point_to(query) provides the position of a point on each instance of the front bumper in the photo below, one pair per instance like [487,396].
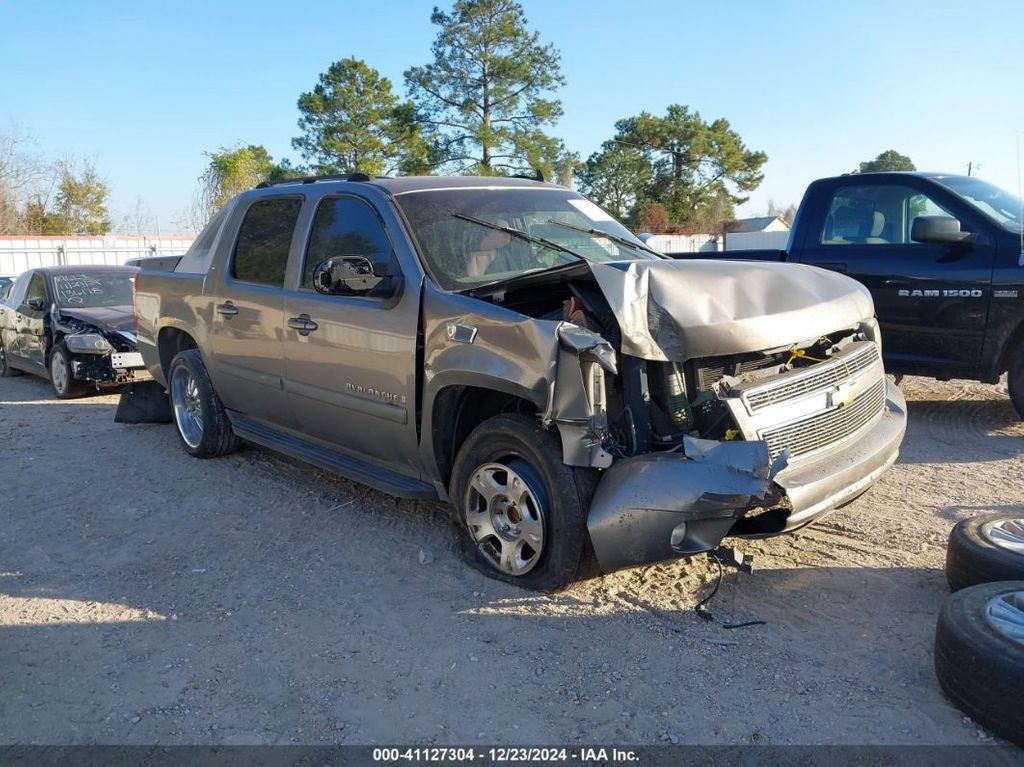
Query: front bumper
[111,369]
[663,505]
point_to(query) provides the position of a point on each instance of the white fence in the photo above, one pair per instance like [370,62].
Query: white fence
[756,240]
[19,254]
[683,243]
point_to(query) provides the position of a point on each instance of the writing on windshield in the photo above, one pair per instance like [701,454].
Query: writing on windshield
[92,290]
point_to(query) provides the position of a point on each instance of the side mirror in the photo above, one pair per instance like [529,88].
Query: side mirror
[937,229]
[37,303]
[346,274]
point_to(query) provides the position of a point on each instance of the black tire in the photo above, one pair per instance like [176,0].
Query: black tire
[214,436]
[61,377]
[534,455]
[6,371]
[980,669]
[974,554]
[1015,382]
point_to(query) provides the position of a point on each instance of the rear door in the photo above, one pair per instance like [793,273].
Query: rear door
[351,357]
[247,327]
[931,299]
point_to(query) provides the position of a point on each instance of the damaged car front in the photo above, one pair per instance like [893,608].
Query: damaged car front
[711,398]
[92,324]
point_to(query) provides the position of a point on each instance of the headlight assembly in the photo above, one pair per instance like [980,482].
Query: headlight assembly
[87,343]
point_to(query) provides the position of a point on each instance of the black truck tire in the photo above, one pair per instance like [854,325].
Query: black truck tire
[61,376]
[985,549]
[6,371]
[978,660]
[1015,381]
[199,417]
[529,507]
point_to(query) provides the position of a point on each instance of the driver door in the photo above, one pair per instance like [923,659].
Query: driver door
[31,323]
[350,359]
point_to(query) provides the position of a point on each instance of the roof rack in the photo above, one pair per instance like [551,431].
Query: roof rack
[314,179]
[537,175]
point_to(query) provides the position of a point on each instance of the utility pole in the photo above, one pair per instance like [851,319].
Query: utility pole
[971,166]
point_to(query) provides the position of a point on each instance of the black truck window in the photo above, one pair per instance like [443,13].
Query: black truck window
[346,226]
[261,252]
[875,215]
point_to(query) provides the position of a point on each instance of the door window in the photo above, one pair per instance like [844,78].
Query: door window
[261,252]
[876,215]
[36,288]
[346,226]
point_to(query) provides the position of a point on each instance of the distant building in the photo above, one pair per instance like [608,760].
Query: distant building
[759,233]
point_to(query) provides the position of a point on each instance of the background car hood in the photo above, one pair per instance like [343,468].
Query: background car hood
[678,310]
[108,318]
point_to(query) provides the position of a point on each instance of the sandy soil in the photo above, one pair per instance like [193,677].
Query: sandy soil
[148,597]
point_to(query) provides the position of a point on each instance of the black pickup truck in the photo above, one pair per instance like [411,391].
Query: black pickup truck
[943,257]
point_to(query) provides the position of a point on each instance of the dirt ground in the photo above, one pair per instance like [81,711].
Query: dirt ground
[148,597]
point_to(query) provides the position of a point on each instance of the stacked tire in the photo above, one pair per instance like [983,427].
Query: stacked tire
[979,638]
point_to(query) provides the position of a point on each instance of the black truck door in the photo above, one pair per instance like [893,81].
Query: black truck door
[931,298]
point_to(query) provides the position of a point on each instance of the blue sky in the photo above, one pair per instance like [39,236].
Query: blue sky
[144,88]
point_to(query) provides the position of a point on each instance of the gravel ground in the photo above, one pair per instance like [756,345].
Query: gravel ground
[148,597]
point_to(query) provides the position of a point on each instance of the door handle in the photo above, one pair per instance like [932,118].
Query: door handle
[303,324]
[228,309]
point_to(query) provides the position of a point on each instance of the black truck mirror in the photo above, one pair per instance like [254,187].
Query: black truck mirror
[937,229]
[37,303]
[346,274]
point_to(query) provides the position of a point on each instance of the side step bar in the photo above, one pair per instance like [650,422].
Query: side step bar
[331,460]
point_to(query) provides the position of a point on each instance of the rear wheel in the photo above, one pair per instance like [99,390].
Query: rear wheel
[199,416]
[6,371]
[1015,381]
[518,512]
[61,378]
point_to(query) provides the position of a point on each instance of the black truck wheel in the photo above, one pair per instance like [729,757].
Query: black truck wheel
[61,376]
[1015,382]
[979,655]
[985,549]
[6,371]
[518,513]
[199,416]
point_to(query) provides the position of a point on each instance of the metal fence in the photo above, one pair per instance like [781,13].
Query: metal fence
[19,254]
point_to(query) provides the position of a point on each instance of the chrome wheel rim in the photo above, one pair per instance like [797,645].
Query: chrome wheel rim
[505,516]
[1005,613]
[1005,533]
[59,373]
[187,405]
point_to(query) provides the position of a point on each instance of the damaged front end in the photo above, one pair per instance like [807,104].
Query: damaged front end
[103,349]
[718,399]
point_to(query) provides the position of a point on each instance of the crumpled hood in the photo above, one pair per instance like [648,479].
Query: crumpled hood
[678,310]
[108,318]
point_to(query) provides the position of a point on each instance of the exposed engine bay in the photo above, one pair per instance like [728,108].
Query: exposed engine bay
[102,348]
[653,391]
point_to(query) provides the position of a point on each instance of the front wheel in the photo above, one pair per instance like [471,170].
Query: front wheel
[61,378]
[518,512]
[1015,382]
[202,424]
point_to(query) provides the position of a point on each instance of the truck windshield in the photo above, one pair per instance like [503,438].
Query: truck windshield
[93,289]
[988,198]
[471,237]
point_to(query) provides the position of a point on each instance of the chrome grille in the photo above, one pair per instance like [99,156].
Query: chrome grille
[824,429]
[818,378]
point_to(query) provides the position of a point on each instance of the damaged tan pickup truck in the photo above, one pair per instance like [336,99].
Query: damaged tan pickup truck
[582,402]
